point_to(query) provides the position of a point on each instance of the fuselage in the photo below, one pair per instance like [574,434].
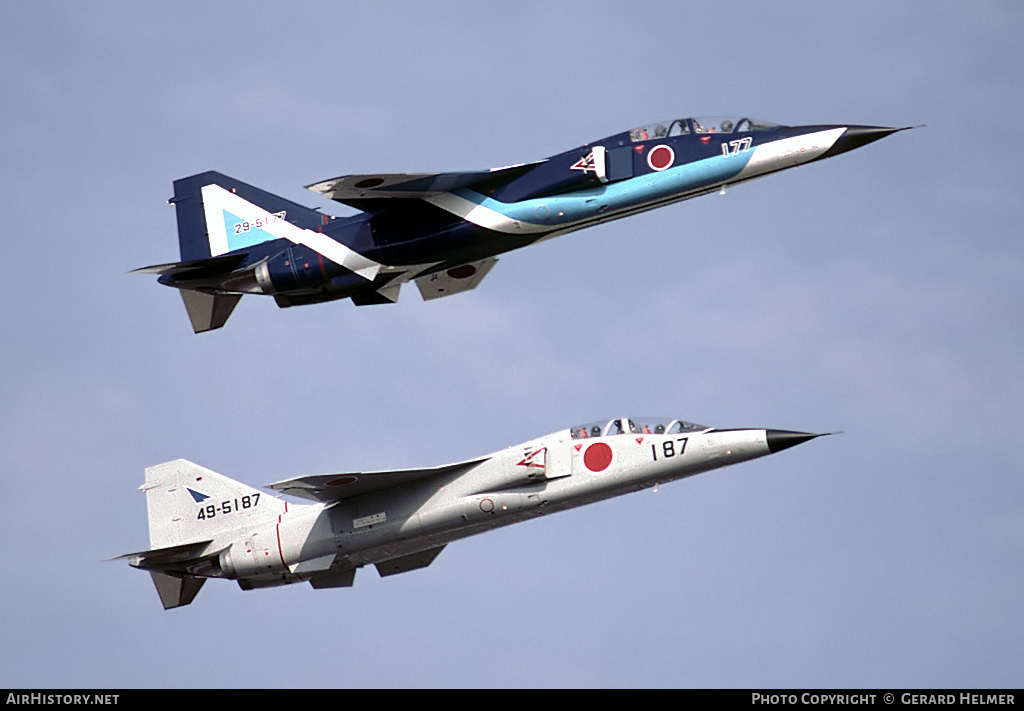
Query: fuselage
[435,231]
[553,473]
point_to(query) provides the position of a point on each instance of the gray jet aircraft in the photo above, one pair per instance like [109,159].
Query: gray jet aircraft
[204,525]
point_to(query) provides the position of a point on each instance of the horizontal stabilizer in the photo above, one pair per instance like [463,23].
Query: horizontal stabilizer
[195,268]
[454,280]
[335,487]
[171,558]
[208,311]
[405,563]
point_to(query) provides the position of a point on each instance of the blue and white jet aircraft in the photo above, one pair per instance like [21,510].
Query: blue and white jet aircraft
[445,230]
[204,525]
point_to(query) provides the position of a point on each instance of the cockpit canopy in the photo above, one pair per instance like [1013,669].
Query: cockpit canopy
[705,124]
[630,425]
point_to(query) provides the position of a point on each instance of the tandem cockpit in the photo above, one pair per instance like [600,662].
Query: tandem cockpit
[630,425]
[705,124]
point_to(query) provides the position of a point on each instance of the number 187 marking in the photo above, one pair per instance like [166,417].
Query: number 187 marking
[668,448]
[225,507]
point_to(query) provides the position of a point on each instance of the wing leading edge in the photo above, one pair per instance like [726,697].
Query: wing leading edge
[355,190]
[326,488]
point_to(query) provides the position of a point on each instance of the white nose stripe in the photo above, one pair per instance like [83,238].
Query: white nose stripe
[789,151]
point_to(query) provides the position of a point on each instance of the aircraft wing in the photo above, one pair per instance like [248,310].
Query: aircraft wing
[454,280]
[354,190]
[326,488]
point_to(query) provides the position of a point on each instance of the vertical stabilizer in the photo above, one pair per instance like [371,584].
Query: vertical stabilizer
[190,503]
[218,214]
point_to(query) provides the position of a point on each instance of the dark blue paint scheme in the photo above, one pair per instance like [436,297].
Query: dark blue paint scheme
[432,223]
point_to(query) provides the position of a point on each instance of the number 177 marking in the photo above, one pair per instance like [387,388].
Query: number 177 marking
[734,147]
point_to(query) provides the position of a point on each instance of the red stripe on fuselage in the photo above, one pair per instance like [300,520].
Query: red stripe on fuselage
[280,549]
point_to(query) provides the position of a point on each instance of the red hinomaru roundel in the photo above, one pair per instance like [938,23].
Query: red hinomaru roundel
[661,157]
[598,456]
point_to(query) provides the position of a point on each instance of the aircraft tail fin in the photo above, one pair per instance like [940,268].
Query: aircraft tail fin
[218,214]
[194,514]
[189,503]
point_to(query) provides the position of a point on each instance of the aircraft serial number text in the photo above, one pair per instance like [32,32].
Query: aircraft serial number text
[669,448]
[256,224]
[229,506]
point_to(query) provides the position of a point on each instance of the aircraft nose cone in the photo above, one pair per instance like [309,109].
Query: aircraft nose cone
[779,440]
[857,136]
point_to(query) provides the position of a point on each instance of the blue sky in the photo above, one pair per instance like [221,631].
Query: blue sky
[877,294]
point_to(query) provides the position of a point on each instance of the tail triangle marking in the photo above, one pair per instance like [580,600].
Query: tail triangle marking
[227,213]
